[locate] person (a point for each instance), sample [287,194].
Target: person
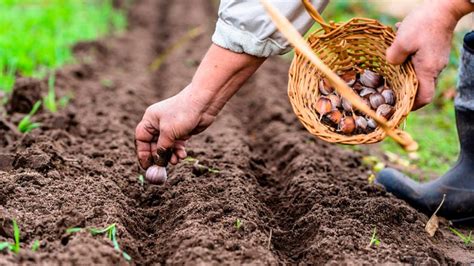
[245,36]
[458,183]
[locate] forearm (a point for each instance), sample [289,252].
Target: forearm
[219,76]
[457,8]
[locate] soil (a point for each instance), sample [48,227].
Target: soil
[300,200]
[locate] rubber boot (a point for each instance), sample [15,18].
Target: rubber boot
[457,183]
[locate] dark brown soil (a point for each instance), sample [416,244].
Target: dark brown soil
[300,200]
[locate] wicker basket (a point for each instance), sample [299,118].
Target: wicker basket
[358,43]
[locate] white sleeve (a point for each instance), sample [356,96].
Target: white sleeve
[244,26]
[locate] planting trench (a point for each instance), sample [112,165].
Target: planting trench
[300,200]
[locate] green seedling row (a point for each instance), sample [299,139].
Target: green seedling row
[36,35]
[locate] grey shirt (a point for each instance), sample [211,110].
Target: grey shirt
[244,26]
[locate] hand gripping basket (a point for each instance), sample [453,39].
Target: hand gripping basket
[358,43]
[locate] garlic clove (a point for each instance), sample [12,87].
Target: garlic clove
[323,106]
[357,86]
[156,175]
[376,100]
[389,97]
[370,79]
[335,101]
[360,122]
[346,105]
[325,87]
[385,110]
[347,125]
[366,92]
[381,88]
[334,116]
[371,123]
[366,102]
[349,77]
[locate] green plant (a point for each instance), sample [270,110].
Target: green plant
[64,101]
[200,168]
[374,239]
[107,83]
[466,239]
[73,230]
[238,224]
[50,99]
[111,233]
[141,180]
[42,39]
[26,125]
[15,247]
[35,246]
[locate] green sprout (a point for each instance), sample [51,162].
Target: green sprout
[374,239]
[141,180]
[35,246]
[16,236]
[15,247]
[64,101]
[200,168]
[73,230]
[26,125]
[466,239]
[111,233]
[238,224]
[107,83]
[50,101]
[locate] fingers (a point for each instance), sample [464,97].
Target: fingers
[426,72]
[179,152]
[399,51]
[428,68]
[402,46]
[180,149]
[144,134]
[165,140]
[425,91]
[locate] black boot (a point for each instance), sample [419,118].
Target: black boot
[457,183]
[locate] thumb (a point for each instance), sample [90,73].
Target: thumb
[165,140]
[399,51]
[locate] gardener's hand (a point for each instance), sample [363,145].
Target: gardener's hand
[169,123]
[426,34]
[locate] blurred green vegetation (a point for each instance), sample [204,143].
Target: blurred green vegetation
[37,35]
[433,127]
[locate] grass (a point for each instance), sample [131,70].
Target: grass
[13,247]
[141,180]
[466,239]
[238,224]
[433,127]
[111,233]
[36,35]
[26,125]
[374,239]
[35,246]
[50,101]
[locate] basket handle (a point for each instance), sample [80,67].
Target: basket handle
[314,13]
[293,36]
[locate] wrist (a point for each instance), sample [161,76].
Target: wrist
[198,98]
[456,8]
